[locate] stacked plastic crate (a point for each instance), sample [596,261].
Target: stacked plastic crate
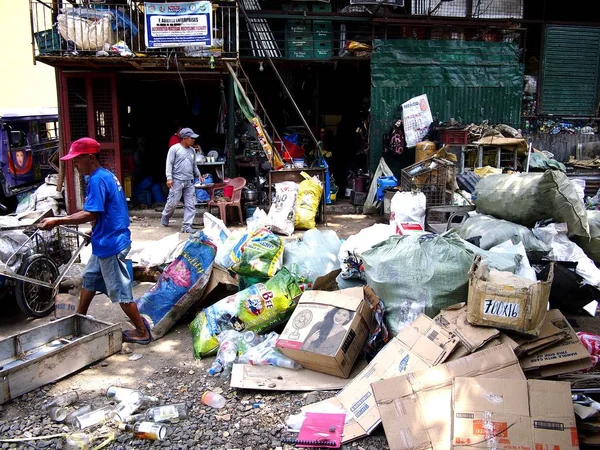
[322,32]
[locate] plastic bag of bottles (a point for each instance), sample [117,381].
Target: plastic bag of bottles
[307,202]
[227,353]
[265,353]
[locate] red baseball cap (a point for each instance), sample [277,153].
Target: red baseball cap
[83,146]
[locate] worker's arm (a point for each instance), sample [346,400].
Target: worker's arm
[169,168]
[77,218]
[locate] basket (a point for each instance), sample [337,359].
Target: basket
[48,41]
[57,244]
[432,176]
[460,137]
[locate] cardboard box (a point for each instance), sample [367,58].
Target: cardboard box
[454,320]
[328,330]
[567,356]
[534,414]
[418,346]
[416,409]
[510,303]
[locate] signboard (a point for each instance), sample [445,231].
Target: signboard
[179,24]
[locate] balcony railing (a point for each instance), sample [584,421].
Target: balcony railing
[88,28]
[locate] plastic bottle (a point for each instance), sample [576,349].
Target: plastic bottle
[57,413]
[119,394]
[78,412]
[162,413]
[127,407]
[213,399]
[65,399]
[96,417]
[146,430]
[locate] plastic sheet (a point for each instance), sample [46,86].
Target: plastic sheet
[315,255]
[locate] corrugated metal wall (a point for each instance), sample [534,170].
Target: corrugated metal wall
[469,81]
[571,58]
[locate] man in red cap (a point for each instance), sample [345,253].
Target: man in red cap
[106,207]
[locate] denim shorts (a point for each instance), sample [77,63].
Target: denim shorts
[109,276]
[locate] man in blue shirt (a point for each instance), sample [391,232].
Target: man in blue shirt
[106,207]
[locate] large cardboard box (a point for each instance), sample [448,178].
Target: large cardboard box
[566,356]
[420,345]
[534,414]
[416,409]
[506,301]
[328,330]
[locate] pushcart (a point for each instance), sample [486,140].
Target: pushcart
[40,263]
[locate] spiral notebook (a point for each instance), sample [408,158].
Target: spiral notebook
[321,430]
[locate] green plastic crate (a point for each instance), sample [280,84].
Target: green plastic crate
[298,27]
[322,30]
[321,7]
[323,45]
[299,41]
[306,53]
[323,54]
[48,41]
[295,7]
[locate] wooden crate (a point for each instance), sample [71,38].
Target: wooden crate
[47,353]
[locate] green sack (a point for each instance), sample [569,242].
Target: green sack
[259,308]
[416,274]
[526,198]
[591,246]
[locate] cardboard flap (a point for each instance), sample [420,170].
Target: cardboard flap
[490,395]
[428,340]
[349,299]
[550,398]
[454,320]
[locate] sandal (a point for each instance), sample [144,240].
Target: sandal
[128,338]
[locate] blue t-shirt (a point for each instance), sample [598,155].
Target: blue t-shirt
[106,198]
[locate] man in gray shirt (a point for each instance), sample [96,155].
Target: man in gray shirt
[181,171]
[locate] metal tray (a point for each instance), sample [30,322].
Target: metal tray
[52,351]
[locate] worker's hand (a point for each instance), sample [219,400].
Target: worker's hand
[48,223]
[169,184]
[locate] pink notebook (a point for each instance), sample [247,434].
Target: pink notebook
[321,430]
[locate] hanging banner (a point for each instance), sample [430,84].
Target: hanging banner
[416,117]
[179,24]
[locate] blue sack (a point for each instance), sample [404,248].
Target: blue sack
[179,286]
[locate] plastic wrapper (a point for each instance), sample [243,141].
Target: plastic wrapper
[265,353]
[260,255]
[314,255]
[591,342]
[407,207]
[180,285]
[307,203]
[258,220]
[283,208]
[259,308]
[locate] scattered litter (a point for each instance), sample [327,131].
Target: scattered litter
[135,357]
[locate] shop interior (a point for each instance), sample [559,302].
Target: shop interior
[333,99]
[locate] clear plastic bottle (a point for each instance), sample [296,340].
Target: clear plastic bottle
[78,412]
[57,413]
[77,441]
[127,407]
[66,399]
[95,417]
[119,394]
[162,413]
[213,399]
[146,430]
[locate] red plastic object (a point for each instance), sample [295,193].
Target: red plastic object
[454,137]
[228,191]
[292,151]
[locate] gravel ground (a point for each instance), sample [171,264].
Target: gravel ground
[249,420]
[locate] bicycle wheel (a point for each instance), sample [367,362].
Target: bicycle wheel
[33,299]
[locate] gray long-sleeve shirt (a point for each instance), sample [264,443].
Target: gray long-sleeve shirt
[181,163]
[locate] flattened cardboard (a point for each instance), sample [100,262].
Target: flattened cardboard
[521,414]
[454,320]
[271,378]
[549,335]
[418,346]
[520,309]
[336,355]
[566,356]
[416,409]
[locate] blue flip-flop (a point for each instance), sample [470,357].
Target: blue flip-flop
[128,338]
